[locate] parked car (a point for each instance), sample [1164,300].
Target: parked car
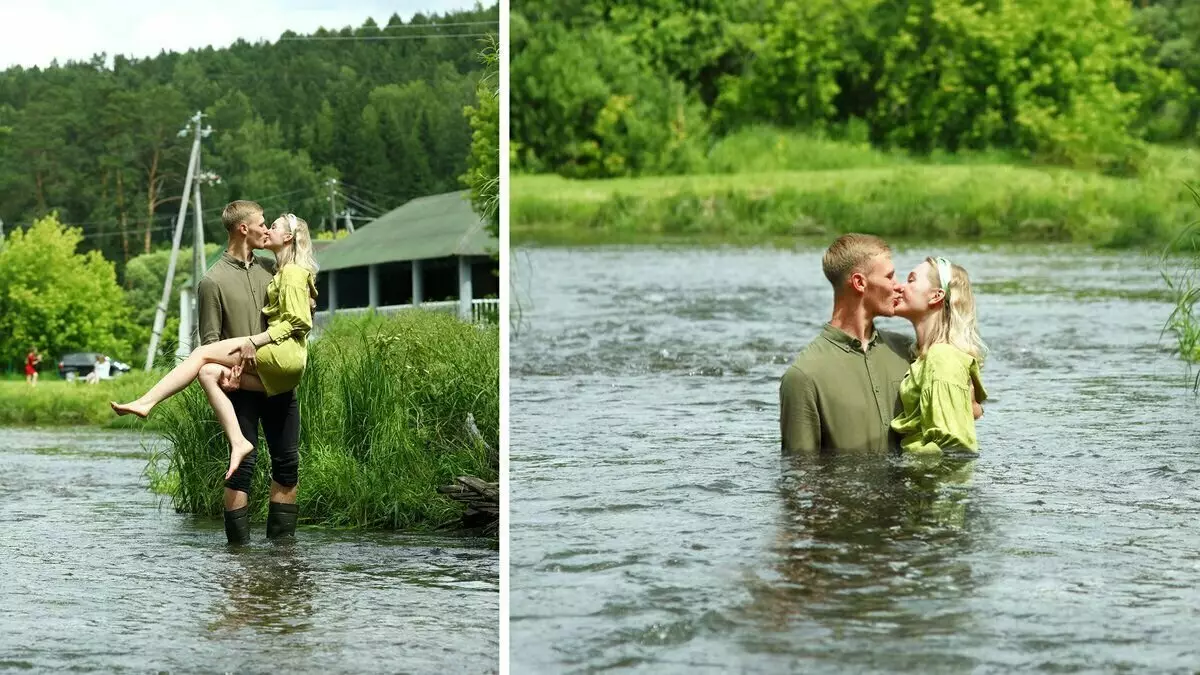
[82,363]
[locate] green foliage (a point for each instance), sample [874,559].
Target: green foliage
[900,198]
[1181,273]
[144,277]
[1058,82]
[56,299]
[586,104]
[54,402]
[252,160]
[100,144]
[1172,111]
[483,164]
[384,405]
[1052,79]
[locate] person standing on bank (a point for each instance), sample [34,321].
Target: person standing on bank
[231,298]
[843,389]
[31,361]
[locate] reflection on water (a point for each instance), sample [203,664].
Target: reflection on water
[270,590]
[863,543]
[98,575]
[654,529]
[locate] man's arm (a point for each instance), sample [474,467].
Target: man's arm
[976,409]
[799,417]
[209,302]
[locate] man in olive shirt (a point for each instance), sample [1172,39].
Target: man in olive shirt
[843,390]
[231,297]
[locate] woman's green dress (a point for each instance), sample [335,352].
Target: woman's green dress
[289,319]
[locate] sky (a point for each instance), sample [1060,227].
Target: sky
[39,31]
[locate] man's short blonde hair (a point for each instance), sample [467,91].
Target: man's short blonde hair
[237,212]
[848,254]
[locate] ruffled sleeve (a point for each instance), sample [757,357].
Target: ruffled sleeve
[295,315]
[947,420]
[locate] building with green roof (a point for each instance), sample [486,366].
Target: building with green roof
[433,250]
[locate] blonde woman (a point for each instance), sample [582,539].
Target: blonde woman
[940,395]
[280,351]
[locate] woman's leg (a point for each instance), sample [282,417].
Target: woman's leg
[239,446]
[181,376]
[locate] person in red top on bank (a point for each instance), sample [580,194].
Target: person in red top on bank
[31,361]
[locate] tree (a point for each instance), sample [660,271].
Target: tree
[588,105]
[144,277]
[58,300]
[483,162]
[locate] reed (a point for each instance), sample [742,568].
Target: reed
[1181,273]
[384,405]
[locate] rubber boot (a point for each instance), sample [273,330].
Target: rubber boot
[237,525]
[281,520]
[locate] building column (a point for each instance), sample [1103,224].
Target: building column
[464,288]
[418,292]
[332,291]
[372,286]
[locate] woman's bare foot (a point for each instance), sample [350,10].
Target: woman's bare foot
[130,409]
[237,453]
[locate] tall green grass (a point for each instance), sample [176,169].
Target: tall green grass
[55,402]
[1182,276]
[384,404]
[796,187]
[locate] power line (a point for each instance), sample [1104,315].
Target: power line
[386,37]
[437,25]
[361,203]
[377,195]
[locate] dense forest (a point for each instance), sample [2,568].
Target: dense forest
[617,87]
[101,145]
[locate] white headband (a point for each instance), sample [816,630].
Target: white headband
[291,221]
[944,270]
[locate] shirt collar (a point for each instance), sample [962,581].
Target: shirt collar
[228,258]
[846,342]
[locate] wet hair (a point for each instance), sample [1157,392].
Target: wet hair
[848,254]
[238,212]
[958,324]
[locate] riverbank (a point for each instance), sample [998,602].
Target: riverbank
[803,193]
[55,402]
[392,408]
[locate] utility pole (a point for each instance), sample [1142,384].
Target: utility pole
[332,207]
[198,238]
[160,316]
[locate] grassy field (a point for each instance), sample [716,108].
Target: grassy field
[56,402]
[384,421]
[764,186]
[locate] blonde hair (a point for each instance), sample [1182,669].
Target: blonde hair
[237,212]
[301,249]
[958,324]
[849,253]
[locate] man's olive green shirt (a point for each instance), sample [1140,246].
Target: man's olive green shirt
[232,296]
[836,396]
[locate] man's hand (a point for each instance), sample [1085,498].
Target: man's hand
[976,409]
[248,354]
[232,379]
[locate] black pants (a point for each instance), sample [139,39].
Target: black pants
[280,417]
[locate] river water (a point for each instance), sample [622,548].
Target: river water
[97,574]
[656,528]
